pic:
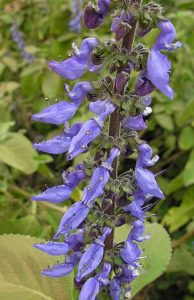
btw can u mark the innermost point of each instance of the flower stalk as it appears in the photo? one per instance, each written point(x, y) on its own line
point(110, 198)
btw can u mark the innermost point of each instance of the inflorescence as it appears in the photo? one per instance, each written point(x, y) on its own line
point(110, 198)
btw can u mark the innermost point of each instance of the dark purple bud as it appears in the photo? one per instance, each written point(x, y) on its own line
point(143, 86)
point(92, 18)
point(121, 81)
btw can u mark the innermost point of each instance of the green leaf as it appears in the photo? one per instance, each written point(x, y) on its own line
point(179, 216)
point(186, 114)
point(165, 121)
point(158, 257)
point(16, 151)
point(188, 173)
point(186, 138)
point(51, 85)
point(182, 261)
point(20, 272)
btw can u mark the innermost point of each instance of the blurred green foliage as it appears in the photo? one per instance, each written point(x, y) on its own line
point(25, 88)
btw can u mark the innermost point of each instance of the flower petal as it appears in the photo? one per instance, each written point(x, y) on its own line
point(60, 270)
point(74, 216)
point(135, 123)
point(57, 113)
point(53, 248)
point(79, 92)
point(90, 289)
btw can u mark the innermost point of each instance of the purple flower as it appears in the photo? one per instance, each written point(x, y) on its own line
point(63, 269)
point(130, 253)
point(79, 92)
point(79, 63)
point(90, 289)
point(59, 144)
point(93, 256)
point(104, 6)
point(135, 208)
point(147, 183)
point(57, 113)
point(75, 23)
point(89, 131)
point(102, 107)
point(99, 178)
point(135, 123)
point(74, 216)
point(136, 233)
point(115, 289)
point(53, 248)
point(62, 192)
point(92, 286)
point(158, 65)
point(145, 156)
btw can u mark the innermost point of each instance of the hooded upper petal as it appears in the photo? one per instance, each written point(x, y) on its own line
point(79, 91)
point(79, 63)
point(147, 183)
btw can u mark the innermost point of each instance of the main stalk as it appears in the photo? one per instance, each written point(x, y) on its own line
point(115, 124)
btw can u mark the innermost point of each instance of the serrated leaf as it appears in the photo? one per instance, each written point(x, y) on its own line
point(158, 251)
point(19, 272)
point(16, 151)
point(182, 261)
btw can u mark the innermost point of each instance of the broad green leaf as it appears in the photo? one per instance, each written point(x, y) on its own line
point(20, 272)
point(179, 216)
point(17, 152)
point(158, 251)
point(186, 138)
point(182, 261)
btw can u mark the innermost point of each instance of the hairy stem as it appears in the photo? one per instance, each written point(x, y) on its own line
point(115, 124)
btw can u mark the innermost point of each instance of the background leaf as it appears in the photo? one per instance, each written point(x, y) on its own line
point(16, 151)
point(20, 272)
